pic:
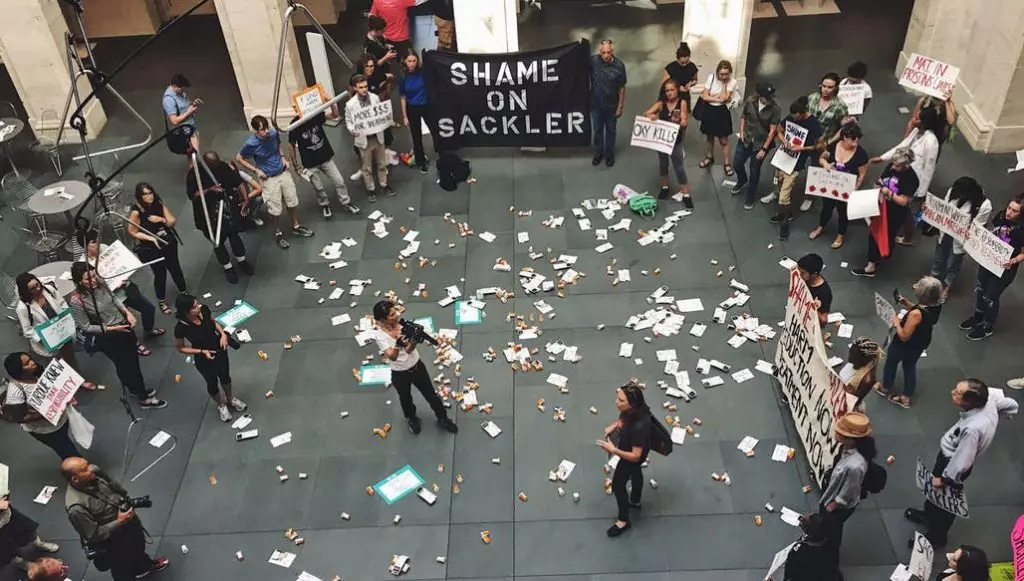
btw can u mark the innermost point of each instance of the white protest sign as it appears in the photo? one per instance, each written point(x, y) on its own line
point(657, 135)
point(307, 100)
point(54, 390)
point(946, 217)
point(884, 310)
point(836, 185)
point(853, 97)
point(987, 249)
point(921, 557)
point(814, 390)
point(784, 161)
point(5, 480)
point(948, 498)
point(778, 561)
point(117, 264)
point(372, 119)
point(795, 136)
point(929, 76)
point(53, 334)
point(863, 204)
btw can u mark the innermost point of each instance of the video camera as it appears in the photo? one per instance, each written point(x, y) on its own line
point(130, 503)
point(415, 332)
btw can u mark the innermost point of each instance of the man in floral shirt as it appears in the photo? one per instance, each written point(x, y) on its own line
point(825, 105)
point(1008, 227)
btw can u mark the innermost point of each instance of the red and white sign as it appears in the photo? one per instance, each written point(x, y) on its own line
point(54, 391)
point(929, 76)
point(837, 185)
point(1017, 544)
point(983, 246)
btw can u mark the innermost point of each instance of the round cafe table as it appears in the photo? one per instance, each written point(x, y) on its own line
point(55, 270)
point(46, 202)
point(10, 127)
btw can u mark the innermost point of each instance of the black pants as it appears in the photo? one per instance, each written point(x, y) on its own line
point(418, 376)
point(18, 532)
point(126, 551)
point(121, 347)
point(939, 521)
point(135, 300)
point(219, 369)
point(221, 252)
point(60, 442)
point(827, 206)
point(834, 522)
point(416, 114)
point(987, 292)
point(627, 471)
point(169, 265)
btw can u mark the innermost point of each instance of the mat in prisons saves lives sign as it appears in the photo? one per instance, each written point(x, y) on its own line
point(526, 99)
point(815, 392)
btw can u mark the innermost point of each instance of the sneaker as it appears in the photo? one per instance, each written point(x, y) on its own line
point(615, 530)
point(423, 169)
point(663, 193)
point(150, 393)
point(159, 564)
point(806, 205)
point(608, 162)
point(597, 159)
point(784, 231)
point(225, 413)
point(239, 405)
point(776, 219)
point(231, 275)
point(246, 267)
point(1016, 383)
point(688, 202)
point(968, 324)
point(356, 176)
point(351, 208)
point(979, 332)
point(737, 188)
point(415, 425)
point(862, 272)
point(326, 211)
point(748, 205)
point(635, 505)
point(257, 221)
point(448, 425)
point(769, 198)
point(302, 231)
point(372, 197)
point(390, 192)
point(45, 546)
point(281, 242)
point(152, 403)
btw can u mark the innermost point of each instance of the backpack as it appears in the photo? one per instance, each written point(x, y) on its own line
point(661, 438)
point(452, 170)
point(874, 480)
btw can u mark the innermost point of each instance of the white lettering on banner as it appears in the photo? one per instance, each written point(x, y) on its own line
point(513, 124)
point(117, 264)
point(54, 390)
point(853, 97)
point(948, 498)
point(929, 76)
point(983, 246)
point(815, 392)
point(372, 119)
point(657, 135)
point(921, 557)
point(884, 310)
point(837, 185)
point(57, 331)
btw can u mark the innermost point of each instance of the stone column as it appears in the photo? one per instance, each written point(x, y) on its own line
point(252, 32)
point(983, 39)
point(718, 30)
point(486, 26)
point(33, 48)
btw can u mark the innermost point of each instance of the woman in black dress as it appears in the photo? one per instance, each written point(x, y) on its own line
point(896, 188)
point(629, 438)
point(150, 213)
point(682, 71)
point(845, 155)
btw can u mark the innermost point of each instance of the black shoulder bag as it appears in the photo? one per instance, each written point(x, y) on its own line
point(180, 140)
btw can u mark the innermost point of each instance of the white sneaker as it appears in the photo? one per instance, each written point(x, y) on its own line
point(1016, 383)
point(769, 198)
point(806, 204)
point(355, 177)
point(238, 404)
point(225, 414)
point(257, 221)
point(45, 546)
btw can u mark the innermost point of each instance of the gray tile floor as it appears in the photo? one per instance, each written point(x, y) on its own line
point(691, 528)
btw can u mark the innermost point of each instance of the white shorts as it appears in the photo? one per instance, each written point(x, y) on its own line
point(278, 189)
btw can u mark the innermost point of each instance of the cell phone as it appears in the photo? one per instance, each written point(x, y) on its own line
point(896, 294)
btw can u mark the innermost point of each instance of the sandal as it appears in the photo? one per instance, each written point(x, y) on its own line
point(144, 351)
point(707, 161)
point(156, 332)
point(880, 389)
point(838, 242)
point(814, 234)
point(164, 308)
point(900, 400)
point(728, 170)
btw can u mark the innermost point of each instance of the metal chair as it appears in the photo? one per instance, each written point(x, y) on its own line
point(114, 199)
point(15, 190)
point(47, 130)
point(37, 237)
point(8, 294)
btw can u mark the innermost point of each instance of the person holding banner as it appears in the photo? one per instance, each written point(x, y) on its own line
point(912, 334)
point(803, 148)
point(966, 195)
point(207, 344)
point(415, 106)
point(896, 187)
point(25, 373)
point(959, 450)
point(629, 440)
point(371, 147)
point(810, 266)
point(150, 212)
point(808, 559)
point(759, 122)
point(1007, 226)
point(38, 304)
point(311, 151)
point(671, 107)
point(845, 155)
point(842, 492)
point(855, 75)
point(966, 563)
point(945, 110)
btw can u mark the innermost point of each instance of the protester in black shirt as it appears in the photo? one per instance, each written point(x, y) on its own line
point(375, 45)
point(799, 116)
point(967, 563)
point(149, 220)
point(628, 439)
point(227, 186)
point(1007, 226)
point(207, 344)
point(845, 155)
point(316, 156)
point(810, 267)
point(897, 186)
point(809, 558)
point(682, 71)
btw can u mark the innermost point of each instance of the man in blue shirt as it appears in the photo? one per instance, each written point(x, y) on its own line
point(179, 109)
point(607, 95)
point(263, 148)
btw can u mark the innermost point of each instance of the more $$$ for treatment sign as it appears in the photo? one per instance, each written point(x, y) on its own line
point(528, 99)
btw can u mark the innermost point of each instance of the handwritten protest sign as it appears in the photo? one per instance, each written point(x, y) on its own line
point(921, 557)
point(795, 136)
point(117, 264)
point(946, 217)
point(53, 334)
point(836, 185)
point(983, 246)
point(948, 498)
point(853, 97)
point(884, 310)
point(307, 100)
point(814, 391)
point(54, 390)
point(929, 76)
point(1017, 545)
point(372, 119)
point(657, 135)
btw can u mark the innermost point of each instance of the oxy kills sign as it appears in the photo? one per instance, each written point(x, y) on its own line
point(537, 99)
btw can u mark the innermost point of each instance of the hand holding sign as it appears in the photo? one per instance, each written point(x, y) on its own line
point(929, 76)
point(836, 185)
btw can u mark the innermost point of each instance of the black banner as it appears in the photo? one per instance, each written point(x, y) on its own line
point(528, 99)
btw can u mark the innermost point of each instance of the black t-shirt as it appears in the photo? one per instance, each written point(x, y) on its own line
point(682, 74)
point(673, 114)
point(822, 292)
point(158, 228)
point(813, 127)
point(311, 141)
point(852, 165)
point(636, 433)
point(202, 336)
point(1011, 233)
point(373, 82)
point(807, 563)
point(903, 182)
point(442, 9)
point(227, 176)
point(378, 49)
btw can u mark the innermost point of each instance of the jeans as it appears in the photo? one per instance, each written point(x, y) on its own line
point(827, 206)
point(374, 147)
point(170, 264)
point(60, 442)
point(320, 175)
point(676, 158)
point(418, 376)
point(218, 369)
point(418, 116)
point(988, 290)
point(632, 472)
point(135, 300)
point(603, 122)
point(834, 522)
point(947, 263)
point(743, 153)
point(127, 550)
point(900, 352)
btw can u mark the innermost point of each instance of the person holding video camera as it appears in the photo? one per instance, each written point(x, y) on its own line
point(103, 514)
point(407, 369)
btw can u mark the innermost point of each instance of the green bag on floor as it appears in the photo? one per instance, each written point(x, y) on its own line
point(644, 205)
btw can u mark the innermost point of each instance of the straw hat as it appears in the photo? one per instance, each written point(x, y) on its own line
point(853, 425)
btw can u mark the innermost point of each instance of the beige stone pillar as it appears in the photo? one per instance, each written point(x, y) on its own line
point(33, 49)
point(252, 32)
point(718, 30)
point(983, 39)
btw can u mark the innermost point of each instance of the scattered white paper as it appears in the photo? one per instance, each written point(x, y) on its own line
point(604, 248)
point(340, 319)
point(743, 375)
point(282, 559)
point(678, 435)
point(491, 428)
point(487, 237)
point(845, 330)
point(790, 516)
point(901, 573)
point(281, 440)
point(747, 444)
point(781, 453)
point(523, 237)
point(736, 340)
point(45, 495)
point(159, 439)
point(787, 263)
point(626, 350)
point(765, 367)
point(698, 329)
point(689, 306)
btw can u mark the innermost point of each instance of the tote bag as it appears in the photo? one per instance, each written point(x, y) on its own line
point(81, 429)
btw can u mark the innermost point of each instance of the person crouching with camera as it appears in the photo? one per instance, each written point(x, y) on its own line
point(407, 369)
point(103, 514)
point(208, 346)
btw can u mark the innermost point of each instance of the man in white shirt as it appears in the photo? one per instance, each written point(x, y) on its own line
point(370, 146)
point(407, 369)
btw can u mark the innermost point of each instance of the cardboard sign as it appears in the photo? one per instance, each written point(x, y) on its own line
point(836, 185)
point(929, 76)
point(853, 97)
point(796, 136)
point(307, 100)
point(236, 315)
point(657, 135)
point(53, 334)
point(54, 390)
point(863, 204)
point(778, 561)
point(921, 557)
point(117, 264)
point(1017, 546)
point(987, 249)
point(814, 390)
point(372, 119)
point(950, 499)
point(395, 487)
point(884, 310)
